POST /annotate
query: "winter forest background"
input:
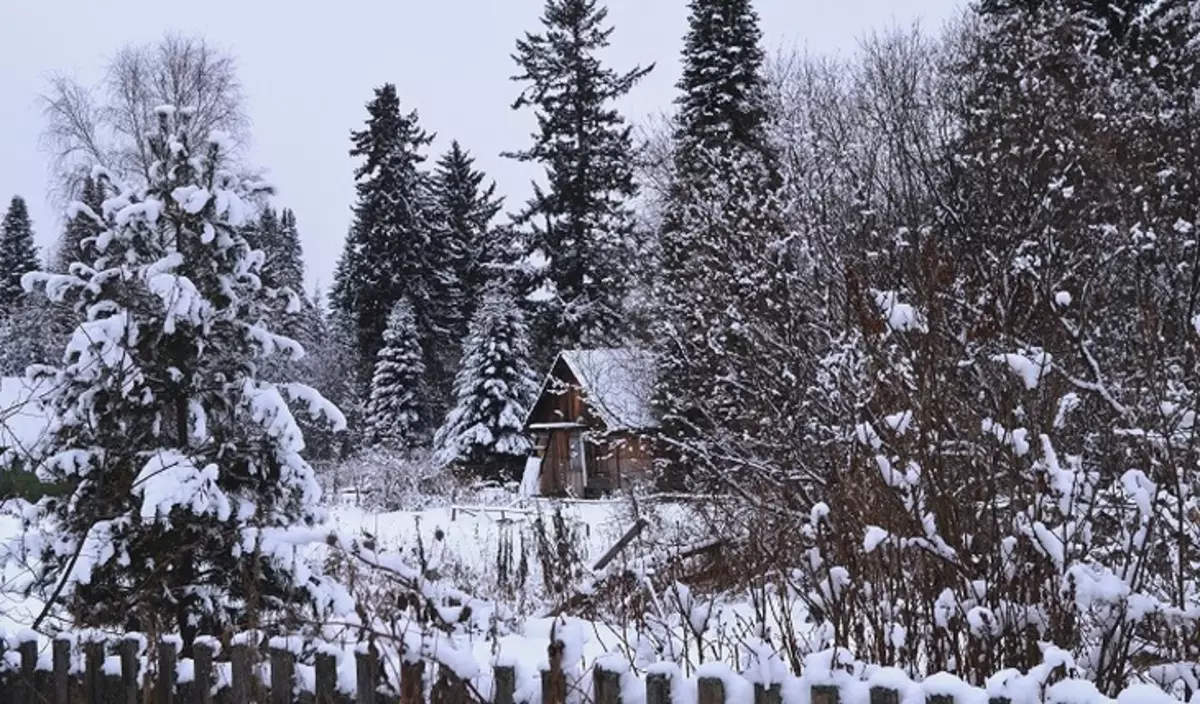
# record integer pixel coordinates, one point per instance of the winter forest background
(924, 317)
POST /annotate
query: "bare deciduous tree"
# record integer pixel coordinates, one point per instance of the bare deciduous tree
(109, 123)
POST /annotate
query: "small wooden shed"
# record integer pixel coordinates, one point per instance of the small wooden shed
(593, 424)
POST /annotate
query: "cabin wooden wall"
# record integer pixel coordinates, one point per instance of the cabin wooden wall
(622, 458)
(613, 459)
(554, 463)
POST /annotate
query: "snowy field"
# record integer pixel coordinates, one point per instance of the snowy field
(461, 544)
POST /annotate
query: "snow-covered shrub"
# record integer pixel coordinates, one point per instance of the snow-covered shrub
(996, 463)
(386, 480)
(1021, 471)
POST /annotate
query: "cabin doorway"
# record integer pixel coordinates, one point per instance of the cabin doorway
(576, 463)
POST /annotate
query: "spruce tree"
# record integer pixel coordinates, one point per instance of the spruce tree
(275, 234)
(396, 412)
(390, 252)
(283, 273)
(722, 101)
(180, 465)
(467, 209)
(329, 366)
(18, 255)
(580, 222)
(77, 242)
(262, 233)
(286, 263)
(732, 283)
(485, 430)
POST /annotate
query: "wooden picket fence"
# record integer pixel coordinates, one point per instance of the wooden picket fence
(102, 683)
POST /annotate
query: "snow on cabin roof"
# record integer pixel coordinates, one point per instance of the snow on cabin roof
(618, 384)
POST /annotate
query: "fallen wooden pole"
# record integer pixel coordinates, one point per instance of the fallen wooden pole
(633, 532)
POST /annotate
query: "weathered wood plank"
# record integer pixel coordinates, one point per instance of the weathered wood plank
(367, 663)
(449, 689)
(606, 686)
(634, 531)
(504, 689)
(242, 673)
(202, 673)
(326, 675)
(412, 682)
(283, 675)
(93, 672)
(825, 694)
(27, 692)
(61, 664)
(768, 694)
(131, 681)
(164, 684)
(658, 689)
(710, 690)
(554, 687)
(884, 695)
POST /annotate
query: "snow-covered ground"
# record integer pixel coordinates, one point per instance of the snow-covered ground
(461, 543)
(470, 534)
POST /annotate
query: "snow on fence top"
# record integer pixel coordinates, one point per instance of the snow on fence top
(618, 384)
(353, 673)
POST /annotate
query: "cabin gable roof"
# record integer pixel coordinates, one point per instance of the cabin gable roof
(616, 384)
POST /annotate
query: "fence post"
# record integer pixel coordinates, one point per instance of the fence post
(939, 699)
(606, 686)
(448, 689)
(62, 670)
(554, 687)
(130, 665)
(825, 694)
(239, 660)
(168, 658)
(93, 677)
(29, 655)
(999, 700)
(412, 682)
(202, 672)
(710, 690)
(768, 693)
(883, 695)
(504, 689)
(283, 674)
(326, 672)
(367, 663)
(658, 689)
(554, 680)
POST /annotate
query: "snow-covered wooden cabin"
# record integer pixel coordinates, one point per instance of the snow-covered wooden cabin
(593, 423)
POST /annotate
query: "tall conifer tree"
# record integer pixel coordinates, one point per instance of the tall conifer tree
(730, 287)
(83, 225)
(180, 463)
(468, 208)
(580, 222)
(389, 253)
(18, 254)
(485, 430)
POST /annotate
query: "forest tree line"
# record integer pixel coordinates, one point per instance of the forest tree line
(925, 317)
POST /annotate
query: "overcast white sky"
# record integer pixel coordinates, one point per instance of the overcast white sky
(309, 66)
